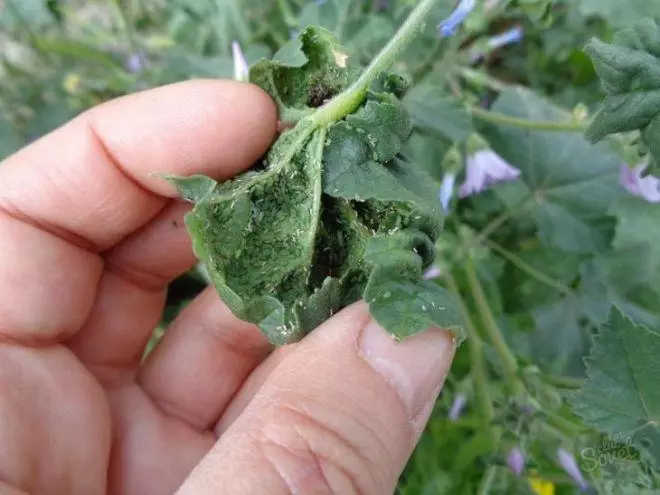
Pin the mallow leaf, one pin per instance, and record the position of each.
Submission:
(629, 70)
(335, 212)
(620, 13)
(632, 267)
(621, 393)
(304, 74)
(569, 184)
(440, 114)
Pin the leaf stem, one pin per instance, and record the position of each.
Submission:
(509, 361)
(487, 481)
(529, 269)
(287, 14)
(481, 78)
(567, 382)
(500, 118)
(348, 101)
(476, 351)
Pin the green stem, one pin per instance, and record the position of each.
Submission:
(476, 350)
(509, 361)
(501, 219)
(487, 481)
(499, 118)
(348, 101)
(287, 14)
(567, 382)
(493, 225)
(529, 269)
(481, 78)
(564, 425)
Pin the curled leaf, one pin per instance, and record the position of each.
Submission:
(334, 213)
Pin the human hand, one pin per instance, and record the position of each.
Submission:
(90, 240)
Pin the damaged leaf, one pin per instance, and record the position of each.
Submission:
(334, 213)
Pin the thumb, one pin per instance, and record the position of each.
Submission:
(340, 414)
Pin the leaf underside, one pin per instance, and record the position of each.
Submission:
(330, 216)
(629, 70)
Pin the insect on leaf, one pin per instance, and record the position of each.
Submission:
(333, 214)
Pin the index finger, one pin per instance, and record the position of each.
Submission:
(92, 179)
(86, 186)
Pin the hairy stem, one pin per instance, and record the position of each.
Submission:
(348, 101)
(518, 262)
(566, 382)
(509, 361)
(499, 118)
(476, 350)
(481, 78)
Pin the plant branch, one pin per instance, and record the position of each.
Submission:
(481, 78)
(509, 361)
(476, 350)
(566, 382)
(348, 101)
(487, 481)
(517, 261)
(500, 118)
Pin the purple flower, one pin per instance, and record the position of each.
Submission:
(136, 62)
(447, 190)
(513, 35)
(241, 66)
(432, 273)
(449, 26)
(645, 187)
(569, 464)
(457, 407)
(484, 169)
(516, 461)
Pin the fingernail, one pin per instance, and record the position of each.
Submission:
(416, 367)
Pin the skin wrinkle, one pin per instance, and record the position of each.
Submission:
(150, 286)
(36, 339)
(372, 433)
(304, 418)
(169, 409)
(111, 159)
(316, 459)
(209, 320)
(13, 212)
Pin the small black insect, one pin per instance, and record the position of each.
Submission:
(318, 95)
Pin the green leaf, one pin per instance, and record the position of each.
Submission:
(538, 11)
(333, 213)
(618, 13)
(443, 115)
(560, 172)
(629, 70)
(304, 74)
(633, 266)
(291, 54)
(20, 12)
(621, 394)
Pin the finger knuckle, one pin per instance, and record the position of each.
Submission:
(313, 455)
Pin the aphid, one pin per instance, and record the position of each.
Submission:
(318, 95)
